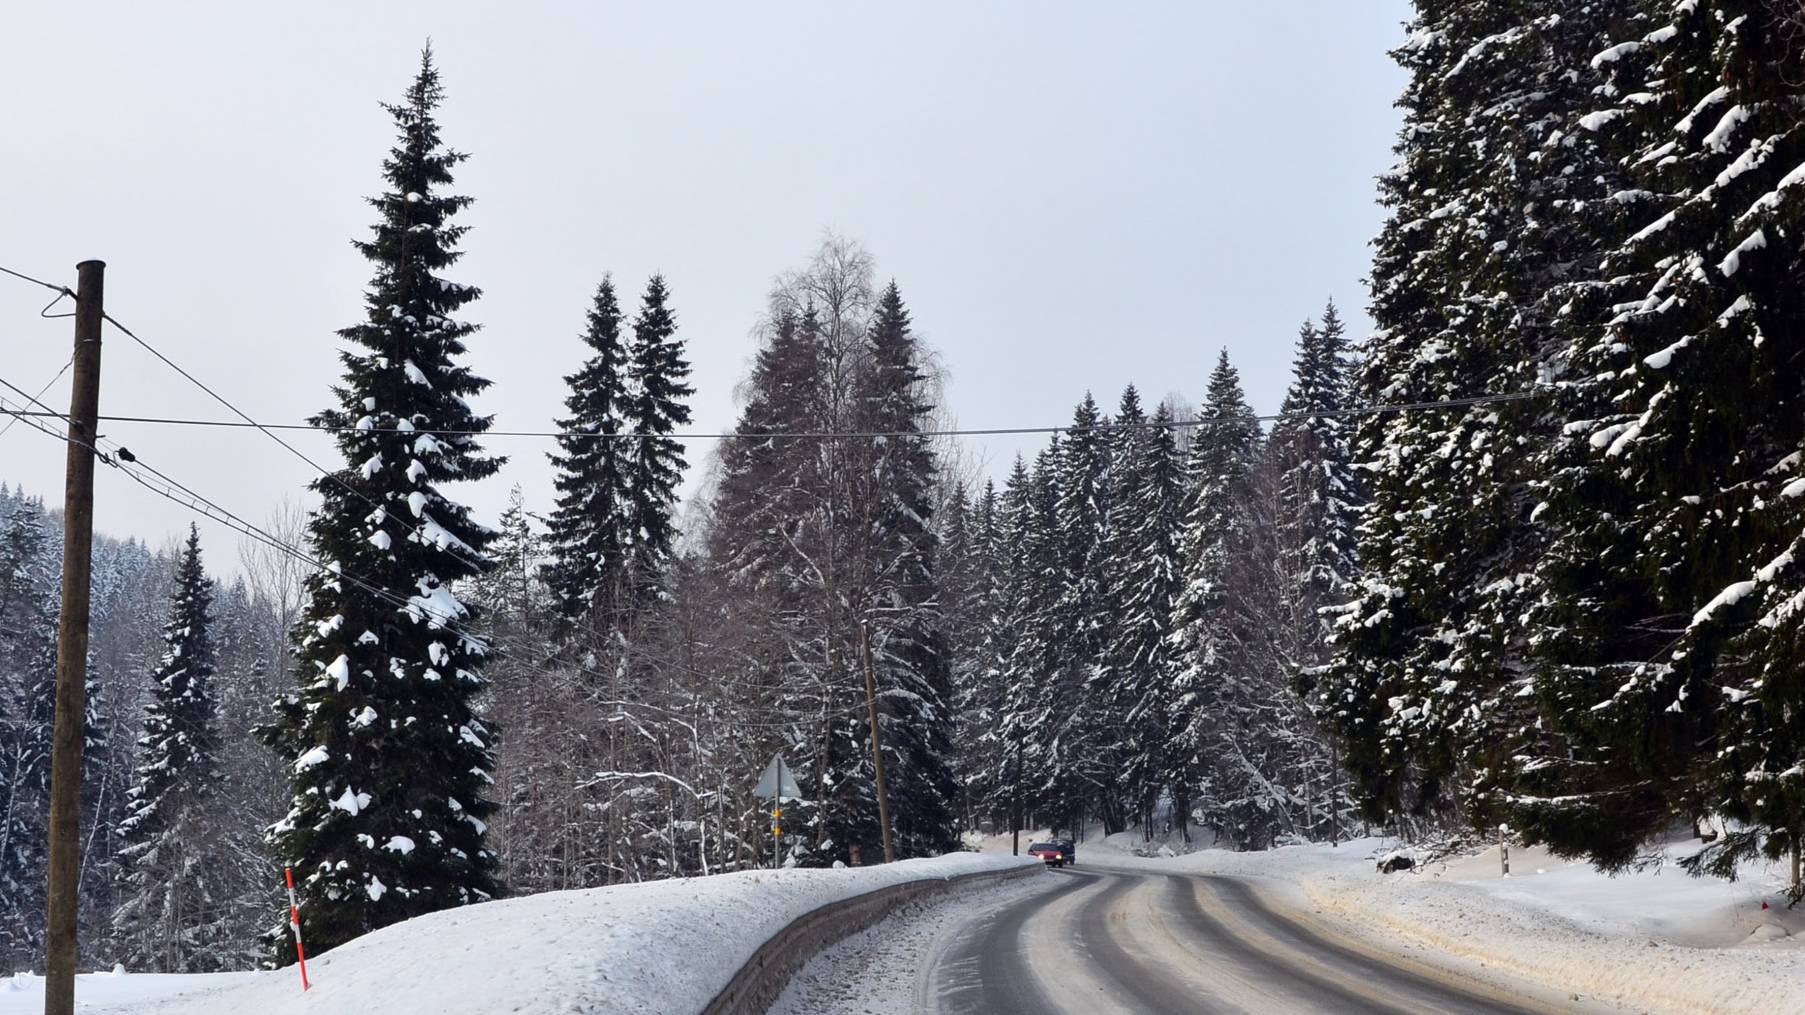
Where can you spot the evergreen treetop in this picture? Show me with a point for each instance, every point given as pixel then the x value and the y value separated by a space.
pixel 658 372
pixel 588 530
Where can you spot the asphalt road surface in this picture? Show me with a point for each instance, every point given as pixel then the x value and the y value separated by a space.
pixel 1107 940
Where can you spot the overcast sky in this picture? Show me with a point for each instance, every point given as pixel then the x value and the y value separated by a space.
pixel 1071 196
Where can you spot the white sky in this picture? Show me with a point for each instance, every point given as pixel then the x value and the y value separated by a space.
pixel 1071 195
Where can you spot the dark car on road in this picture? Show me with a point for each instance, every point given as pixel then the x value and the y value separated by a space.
pixel 1050 852
pixel 1068 849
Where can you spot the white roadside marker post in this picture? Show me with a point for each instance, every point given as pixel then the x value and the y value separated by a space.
pixel 294 924
pixel 1504 848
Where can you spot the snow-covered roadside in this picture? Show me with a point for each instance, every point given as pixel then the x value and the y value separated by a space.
pixel 113 991
pixel 879 971
pixel 662 946
pixel 1656 940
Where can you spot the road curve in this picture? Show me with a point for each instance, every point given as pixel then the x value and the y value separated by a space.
pixel 1107 940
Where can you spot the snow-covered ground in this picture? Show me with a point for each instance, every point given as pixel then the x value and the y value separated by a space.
pixel 1653 940
pixel 664 946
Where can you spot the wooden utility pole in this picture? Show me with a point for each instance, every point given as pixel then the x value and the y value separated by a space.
pixel 72 649
pixel 877 748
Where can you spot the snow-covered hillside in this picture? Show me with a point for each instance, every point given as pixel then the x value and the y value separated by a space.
pixel 665 946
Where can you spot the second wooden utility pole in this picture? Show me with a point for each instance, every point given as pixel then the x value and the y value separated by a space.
pixel 72 649
pixel 877 746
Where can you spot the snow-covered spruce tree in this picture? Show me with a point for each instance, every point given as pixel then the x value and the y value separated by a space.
pixel 1318 494
pixel 174 916
pixel 1025 551
pixel 588 533
pixel 1107 740
pixel 612 534
pixel 656 408
pixel 1084 465
pixel 764 480
pixel 1083 480
pixel 27 683
pixel 1224 685
pixel 1429 688
pixel 981 694
pixel 1142 581
pixel 968 580
pixel 910 661
pixel 1315 501
pixel 1043 714
pixel 390 762
pixel 1672 597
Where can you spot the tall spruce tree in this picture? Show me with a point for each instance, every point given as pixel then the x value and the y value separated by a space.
pixel 1020 660
pixel 174 916
pixel 1044 708
pixel 1108 739
pixel 1430 687
pixel 1316 498
pixel 589 532
pixel 1671 591
pixel 657 408
pixel 1318 495
pixel 1080 517
pixel 971 587
pixel 1142 581
pixel 390 762
pixel 1222 682
pixel 904 608
pixel 994 643
pixel 1084 468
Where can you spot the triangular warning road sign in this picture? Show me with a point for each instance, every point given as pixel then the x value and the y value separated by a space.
pixel 778 781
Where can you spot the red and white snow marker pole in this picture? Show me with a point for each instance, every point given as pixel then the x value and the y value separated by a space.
pixel 294 923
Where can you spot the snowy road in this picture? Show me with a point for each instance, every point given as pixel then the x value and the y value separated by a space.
pixel 1103 940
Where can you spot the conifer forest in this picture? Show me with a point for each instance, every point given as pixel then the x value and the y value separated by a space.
pixel 1530 551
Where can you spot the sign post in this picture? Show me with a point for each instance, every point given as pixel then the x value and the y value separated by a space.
pixel 777 782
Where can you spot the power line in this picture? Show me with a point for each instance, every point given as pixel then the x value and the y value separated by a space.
pixel 52 286
pixel 268 429
pixel 168 488
pixel 1371 410
pixel 384 514
pixel 206 508
pixel 35 398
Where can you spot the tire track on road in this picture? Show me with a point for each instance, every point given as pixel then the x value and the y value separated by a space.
pixel 990 965
pixel 1299 986
pixel 1420 991
pixel 1150 984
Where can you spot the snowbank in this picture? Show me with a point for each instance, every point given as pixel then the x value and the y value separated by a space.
pixel 663 946
pixel 1655 940
pixel 115 991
